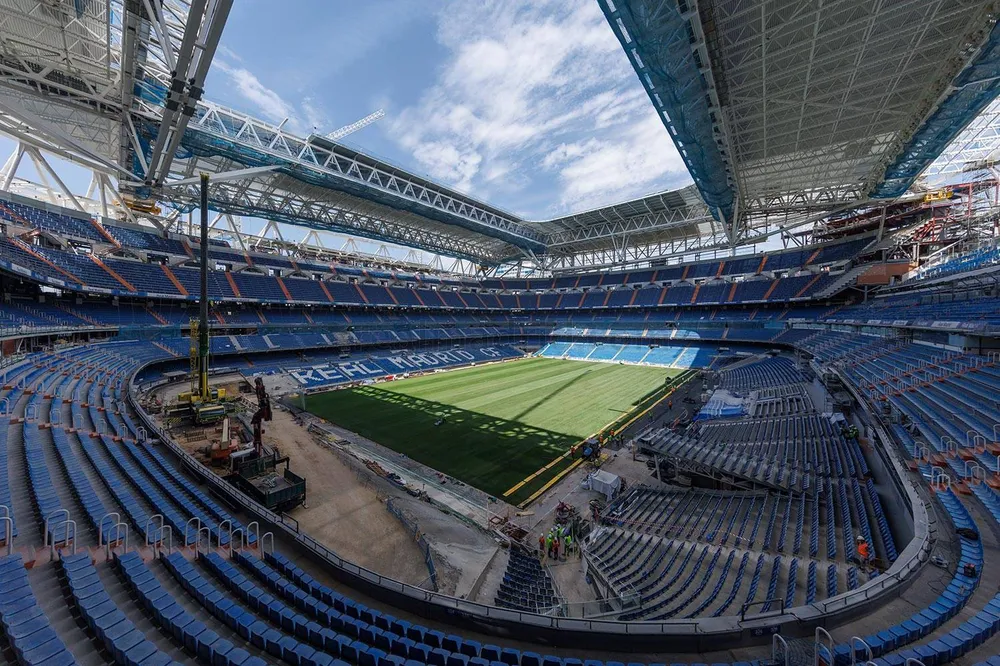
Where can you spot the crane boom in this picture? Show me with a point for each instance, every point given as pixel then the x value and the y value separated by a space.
pixel 354 127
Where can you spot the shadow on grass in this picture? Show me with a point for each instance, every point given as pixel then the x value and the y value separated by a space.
pixel 487 452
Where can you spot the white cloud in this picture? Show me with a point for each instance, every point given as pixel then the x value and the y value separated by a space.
pixel 303 118
pixel 229 53
pixel 440 157
pixel 314 117
pixel 598 172
pixel 268 102
pixel 534 91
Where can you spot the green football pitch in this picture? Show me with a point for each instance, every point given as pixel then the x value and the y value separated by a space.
pixel 493 426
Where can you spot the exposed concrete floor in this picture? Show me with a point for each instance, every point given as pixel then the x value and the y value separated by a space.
pixel 344 513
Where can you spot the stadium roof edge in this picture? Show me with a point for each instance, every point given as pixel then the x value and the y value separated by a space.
pixel 972 91
pixel 658 41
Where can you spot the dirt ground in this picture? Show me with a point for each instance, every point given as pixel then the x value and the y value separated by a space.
pixel 341 512
pixel 461 552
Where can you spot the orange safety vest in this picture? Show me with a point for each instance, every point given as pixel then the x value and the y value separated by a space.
pixel 863 550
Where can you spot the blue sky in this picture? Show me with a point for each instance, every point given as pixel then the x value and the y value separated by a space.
pixel 529 105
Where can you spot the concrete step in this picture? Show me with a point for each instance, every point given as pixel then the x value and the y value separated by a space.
pixel 199 612
pixel 60 480
pixel 123 598
pixel 63 619
pixel 25 513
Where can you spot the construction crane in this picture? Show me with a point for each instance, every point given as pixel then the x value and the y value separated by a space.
pixel 326 140
pixel 207 404
pixel 354 127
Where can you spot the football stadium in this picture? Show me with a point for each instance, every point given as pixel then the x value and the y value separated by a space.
pixel 753 419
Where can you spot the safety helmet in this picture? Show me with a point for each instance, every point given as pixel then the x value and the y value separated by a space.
pixel 860 539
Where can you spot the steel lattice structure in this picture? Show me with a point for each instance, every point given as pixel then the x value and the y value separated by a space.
pixel 785 111
pixel 808 105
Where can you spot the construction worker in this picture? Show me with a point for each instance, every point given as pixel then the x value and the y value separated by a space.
pixel 569 543
pixel 555 548
pixel 864 553
pixel 541 546
pixel 548 544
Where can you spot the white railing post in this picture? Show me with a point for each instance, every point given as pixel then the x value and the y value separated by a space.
pixel 232 538
pixel 100 525
pixel 119 528
pixel 153 519
pixel 8 533
pixel 208 540
pixel 197 528
pixel 251 532
pixel 778 642
pixel 856 641
pixel 263 543
pixel 821 639
pixel 170 540
pixel 69 524
pixel 228 523
pixel 976 440
pixel 63 513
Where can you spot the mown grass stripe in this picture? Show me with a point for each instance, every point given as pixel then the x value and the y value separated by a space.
pixel 502 422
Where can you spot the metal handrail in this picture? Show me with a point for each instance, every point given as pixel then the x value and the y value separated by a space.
pixel 855 641
pixel 237 531
pixel 152 519
pixel 100 525
pixel 250 532
pixel 117 527
pixel 197 529
pixel 818 641
pixel 170 541
pixel 63 513
pixel 263 542
pixel 229 523
pixel 208 540
pixel 777 641
pixel 8 532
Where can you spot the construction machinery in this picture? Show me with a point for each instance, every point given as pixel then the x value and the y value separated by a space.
pixel 207 405
pixel 254 469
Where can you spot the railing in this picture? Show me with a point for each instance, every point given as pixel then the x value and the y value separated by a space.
pixel 909 561
pixel 28 331
pixel 414 527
